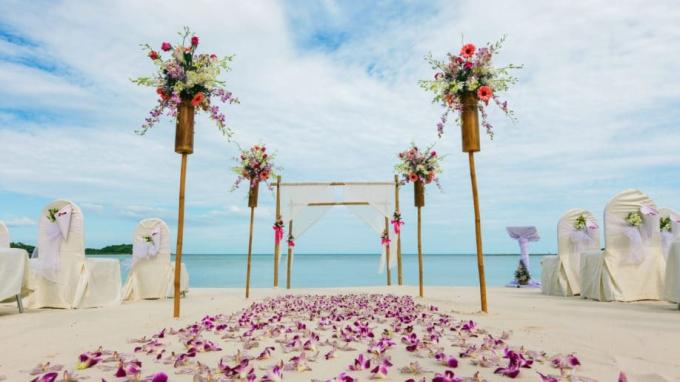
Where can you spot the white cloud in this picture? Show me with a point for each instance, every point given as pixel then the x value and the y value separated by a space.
pixel 597 105
pixel 22 221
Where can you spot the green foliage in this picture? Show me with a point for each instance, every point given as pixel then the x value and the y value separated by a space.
pixel 118 249
pixel 29 248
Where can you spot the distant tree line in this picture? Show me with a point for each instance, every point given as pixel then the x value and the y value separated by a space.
pixel 117 249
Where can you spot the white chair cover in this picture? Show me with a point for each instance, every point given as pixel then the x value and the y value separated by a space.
pixel 667 238
pixel 61 276
pixel 672 288
pixel 4 235
pixel 13 273
pixel 631 267
pixel 560 274
pixel 152 272
pixel 524 235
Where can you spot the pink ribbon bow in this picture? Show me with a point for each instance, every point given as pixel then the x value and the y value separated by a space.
pixel 278 234
pixel 291 242
pixel 385 240
pixel 397 225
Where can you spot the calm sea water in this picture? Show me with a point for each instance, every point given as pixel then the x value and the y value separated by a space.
pixel 336 270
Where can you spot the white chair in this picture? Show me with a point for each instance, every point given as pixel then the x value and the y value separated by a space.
pixel 152 274
pixel 672 288
pixel 632 267
pixel 668 237
pixel 4 235
pixel 61 276
pixel 13 275
pixel 560 274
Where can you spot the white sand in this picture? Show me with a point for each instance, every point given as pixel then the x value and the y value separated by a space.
pixel 642 339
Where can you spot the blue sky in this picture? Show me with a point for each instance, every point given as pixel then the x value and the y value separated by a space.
pixel 332 88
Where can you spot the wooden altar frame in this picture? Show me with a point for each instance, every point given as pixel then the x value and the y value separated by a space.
pixel 277 246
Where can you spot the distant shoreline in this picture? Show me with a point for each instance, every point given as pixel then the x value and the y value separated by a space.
pixel 332 254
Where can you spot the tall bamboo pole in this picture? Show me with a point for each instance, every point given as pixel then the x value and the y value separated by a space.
pixel 387 252
pixel 288 258
pixel 250 251
pixel 420 256
pixel 277 245
pixel 478 232
pixel 396 209
pixel 180 234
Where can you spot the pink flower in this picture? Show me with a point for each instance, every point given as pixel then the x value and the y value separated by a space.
pixel 468 65
pixel 153 55
pixel 468 50
pixel 412 177
pixel 166 46
pixel 438 76
pixel 194 41
pixel 484 93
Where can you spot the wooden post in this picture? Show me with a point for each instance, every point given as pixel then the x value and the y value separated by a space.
pixel 288 259
pixel 277 246
pixel 387 252
pixel 420 257
pixel 478 232
pixel 396 209
pixel 250 251
pixel 180 235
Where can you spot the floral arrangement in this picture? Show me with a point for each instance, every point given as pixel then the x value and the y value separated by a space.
pixel 522 275
pixel 52 214
pixel 187 76
pixel 666 224
pixel 397 222
pixel 580 223
pixel 470 71
pixel 416 165
pixel 634 218
pixel 255 165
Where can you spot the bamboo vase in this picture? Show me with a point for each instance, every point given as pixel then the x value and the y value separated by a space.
pixel 470 123
pixel 184 129
pixel 419 193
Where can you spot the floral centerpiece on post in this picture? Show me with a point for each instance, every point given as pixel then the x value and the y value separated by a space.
pixel 255 165
pixel 417 165
pixel 580 223
pixel 189 77
pixel 470 72
pixel 52 214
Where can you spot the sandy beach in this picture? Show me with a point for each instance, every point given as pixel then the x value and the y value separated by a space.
pixel 640 339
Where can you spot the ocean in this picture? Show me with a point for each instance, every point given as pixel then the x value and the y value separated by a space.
pixel 342 270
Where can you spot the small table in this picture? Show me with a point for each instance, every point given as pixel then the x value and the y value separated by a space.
pixel 13 275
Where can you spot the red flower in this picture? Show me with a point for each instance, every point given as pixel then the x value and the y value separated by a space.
pixel 198 99
pixel 412 177
pixel 194 41
pixel 153 55
pixel 468 65
pixel 161 93
pixel 264 175
pixel 484 93
pixel 166 46
pixel 468 50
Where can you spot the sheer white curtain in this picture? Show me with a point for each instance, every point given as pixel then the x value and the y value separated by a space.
pixel 381 205
pixel 295 206
pixel 581 240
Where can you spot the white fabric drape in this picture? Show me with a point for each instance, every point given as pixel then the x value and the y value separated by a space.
pixel 639 238
pixel 142 249
pixel 47 263
pixel 381 205
pixel 667 238
pixel 615 274
pixel 580 240
pixel 4 235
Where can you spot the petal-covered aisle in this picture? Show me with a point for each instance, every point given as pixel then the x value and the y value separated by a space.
pixel 346 337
